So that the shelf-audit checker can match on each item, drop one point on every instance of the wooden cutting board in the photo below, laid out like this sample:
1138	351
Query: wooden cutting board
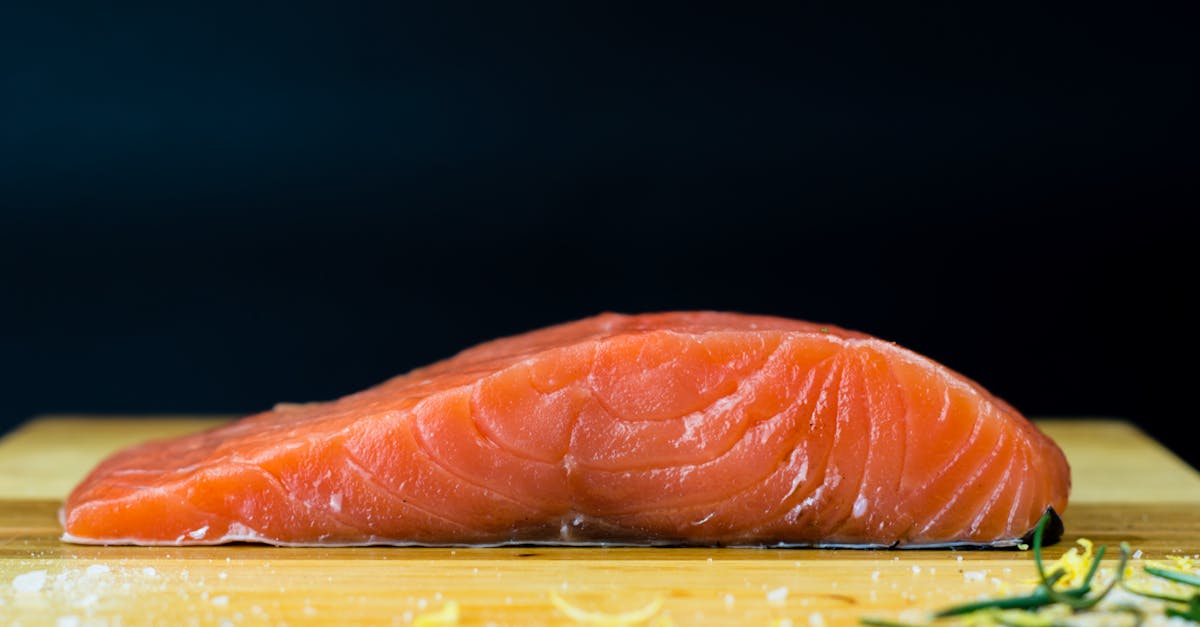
1126	487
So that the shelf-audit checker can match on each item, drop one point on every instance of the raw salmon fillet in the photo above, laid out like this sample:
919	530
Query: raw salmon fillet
694	428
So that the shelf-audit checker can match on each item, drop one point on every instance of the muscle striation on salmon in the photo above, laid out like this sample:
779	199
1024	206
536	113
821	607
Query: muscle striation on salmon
675	428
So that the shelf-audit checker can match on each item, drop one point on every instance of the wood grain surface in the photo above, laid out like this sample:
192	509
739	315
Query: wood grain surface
1126	488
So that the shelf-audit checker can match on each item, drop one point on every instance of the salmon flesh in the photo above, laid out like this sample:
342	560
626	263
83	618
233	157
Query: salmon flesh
676	428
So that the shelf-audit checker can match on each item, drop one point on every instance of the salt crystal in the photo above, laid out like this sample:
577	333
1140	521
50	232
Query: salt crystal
221	601
149	572
67	621
874	575
222	575
97	569
728	600
225	622
29	582
778	596
816	619
916	570
1137	554
975	575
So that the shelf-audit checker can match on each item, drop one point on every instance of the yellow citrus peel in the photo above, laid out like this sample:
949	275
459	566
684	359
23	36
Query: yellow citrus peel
447	615
590	617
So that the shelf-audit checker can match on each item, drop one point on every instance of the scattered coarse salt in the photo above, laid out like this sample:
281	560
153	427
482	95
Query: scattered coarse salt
975	575
67	621
220	601
29	582
874	575
816	619
222	575
729	600
958	557
149	571
778	596
916	570
1137	554
96	569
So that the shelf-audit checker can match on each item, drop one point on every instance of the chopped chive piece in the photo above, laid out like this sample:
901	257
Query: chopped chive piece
883	622
1174	575
1037	598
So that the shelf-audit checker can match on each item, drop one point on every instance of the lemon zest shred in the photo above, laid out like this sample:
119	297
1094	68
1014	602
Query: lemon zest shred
631	617
447	615
662	620
1074	563
1183	562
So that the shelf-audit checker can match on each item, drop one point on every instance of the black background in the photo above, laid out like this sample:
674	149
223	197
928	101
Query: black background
211	209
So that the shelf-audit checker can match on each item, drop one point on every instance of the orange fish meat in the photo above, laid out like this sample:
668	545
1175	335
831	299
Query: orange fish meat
675	428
